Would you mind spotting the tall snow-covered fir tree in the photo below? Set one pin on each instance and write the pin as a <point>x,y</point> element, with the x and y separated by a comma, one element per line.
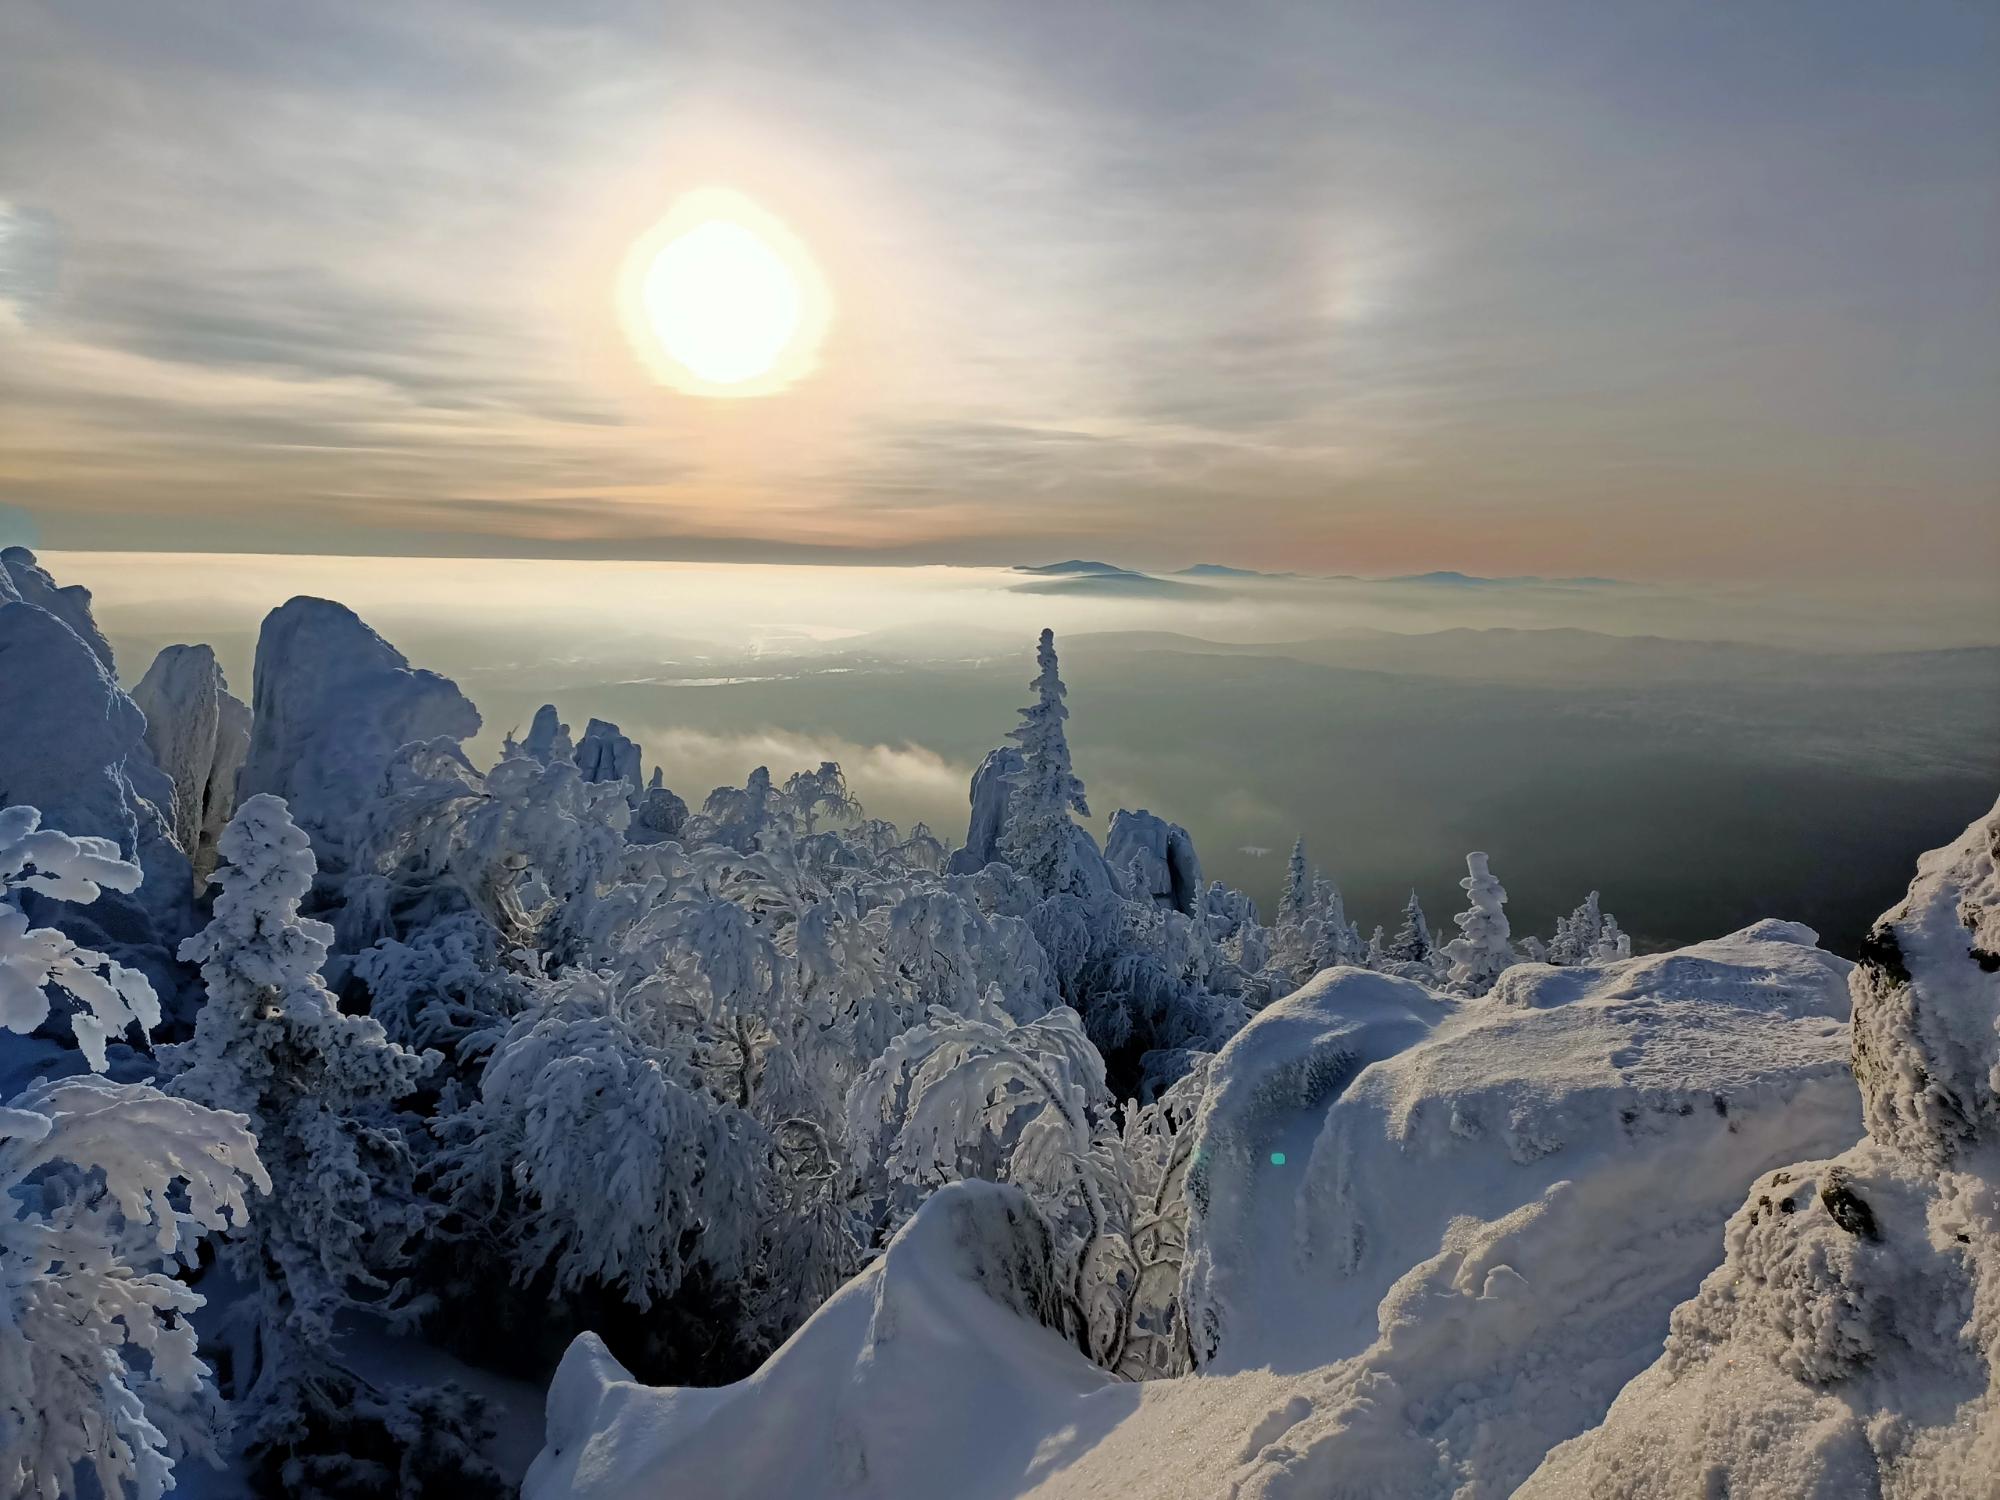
<point>1039,839</point>
<point>1297,894</point>
<point>1482,948</point>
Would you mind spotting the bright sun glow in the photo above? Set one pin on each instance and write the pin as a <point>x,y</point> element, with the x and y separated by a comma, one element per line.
<point>722,300</point>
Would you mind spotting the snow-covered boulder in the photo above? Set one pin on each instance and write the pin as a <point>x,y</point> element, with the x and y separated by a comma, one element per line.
<point>333,703</point>
<point>199,733</point>
<point>935,1372</point>
<point>1156,858</point>
<point>1849,1344</point>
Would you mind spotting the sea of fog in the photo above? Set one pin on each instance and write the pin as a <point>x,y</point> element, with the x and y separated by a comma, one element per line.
<point>1702,756</point>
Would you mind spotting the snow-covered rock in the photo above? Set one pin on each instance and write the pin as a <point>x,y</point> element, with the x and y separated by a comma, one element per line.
<point>548,737</point>
<point>333,703</point>
<point>1157,858</point>
<point>1849,1344</point>
<point>199,733</point>
<point>72,744</point>
<point>24,579</point>
<point>935,1372</point>
<point>605,754</point>
<point>992,784</point>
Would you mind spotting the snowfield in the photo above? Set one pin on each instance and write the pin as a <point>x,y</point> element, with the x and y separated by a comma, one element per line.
<point>1484,1214</point>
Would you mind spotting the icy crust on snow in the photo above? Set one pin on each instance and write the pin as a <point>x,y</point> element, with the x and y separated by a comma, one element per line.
<point>198,733</point>
<point>1850,1341</point>
<point>333,703</point>
<point>934,1372</point>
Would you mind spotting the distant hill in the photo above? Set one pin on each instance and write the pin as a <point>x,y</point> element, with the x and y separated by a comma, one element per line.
<point>1074,565</point>
<point>1118,583</point>
<point>1222,570</point>
<point>1449,579</point>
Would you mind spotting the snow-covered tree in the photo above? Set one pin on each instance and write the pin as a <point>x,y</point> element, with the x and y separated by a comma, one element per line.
<point>1156,1147</point>
<point>1588,935</point>
<point>1576,934</point>
<point>1611,943</point>
<point>978,1096</point>
<point>1481,949</point>
<point>319,1087</point>
<point>108,998</point>
<point>1297,894</point>
<point>598,1157</point>
<point>1413,943</point>
<point>1039,837</point>
<point>105,1190</point>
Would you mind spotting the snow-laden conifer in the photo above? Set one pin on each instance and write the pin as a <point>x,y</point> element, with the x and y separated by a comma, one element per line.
<point>1481,949</point>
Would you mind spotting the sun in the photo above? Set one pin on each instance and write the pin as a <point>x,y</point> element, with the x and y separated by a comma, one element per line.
<point>721,299</point>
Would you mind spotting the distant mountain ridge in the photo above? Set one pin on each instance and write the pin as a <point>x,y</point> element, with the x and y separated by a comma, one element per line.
<point>1448,578</point>
<point>1091,568</point>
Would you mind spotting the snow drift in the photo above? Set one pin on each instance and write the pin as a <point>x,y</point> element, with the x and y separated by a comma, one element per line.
<point>933,1372</point>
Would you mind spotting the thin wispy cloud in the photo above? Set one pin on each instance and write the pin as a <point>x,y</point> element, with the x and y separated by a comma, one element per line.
<point>1366,286</point>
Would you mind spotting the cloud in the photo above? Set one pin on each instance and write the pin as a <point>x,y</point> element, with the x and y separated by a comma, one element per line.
<point>1387,288</point>
<point>905,773</point>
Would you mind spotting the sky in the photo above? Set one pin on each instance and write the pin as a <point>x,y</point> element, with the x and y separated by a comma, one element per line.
<point>1647,290</point>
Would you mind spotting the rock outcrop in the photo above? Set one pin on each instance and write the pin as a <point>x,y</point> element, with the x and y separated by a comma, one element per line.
<point>605,754</point>
<point>199,734</point>
<point>1156,859</point>
<point>332,705</point>
<point>72,744</point>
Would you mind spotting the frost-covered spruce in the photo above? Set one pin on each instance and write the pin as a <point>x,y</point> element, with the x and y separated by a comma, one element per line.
<point>1413,943</point>
<point>1039,839</point>
<point>1481,949</point>
<point>1849,1344</point>
<point>105,1190</point>
<point>108,997</point>
<point>320,1088</point>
